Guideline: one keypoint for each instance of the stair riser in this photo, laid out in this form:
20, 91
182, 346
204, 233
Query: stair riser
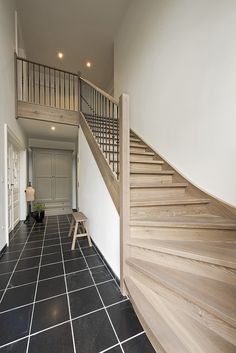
182, 234
219, 273
155, 193
143, 168
166, 211
144, 178
136, 157
135, 149
205, 318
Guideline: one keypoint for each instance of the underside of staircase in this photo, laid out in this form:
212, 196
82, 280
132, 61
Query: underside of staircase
180, 264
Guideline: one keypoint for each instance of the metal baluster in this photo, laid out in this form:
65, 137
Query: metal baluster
22, 80
28, 81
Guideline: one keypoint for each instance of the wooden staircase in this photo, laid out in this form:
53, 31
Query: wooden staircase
178, 248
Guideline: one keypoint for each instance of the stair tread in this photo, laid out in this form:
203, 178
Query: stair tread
138, 161
145, 185
174, 330
188, 222
214, 296
169, 201
161, 172
143, 153
215, 253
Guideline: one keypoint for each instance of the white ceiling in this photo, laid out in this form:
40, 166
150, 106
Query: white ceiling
42, 130
83, 30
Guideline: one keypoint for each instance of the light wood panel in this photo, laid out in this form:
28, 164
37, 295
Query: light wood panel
43, 113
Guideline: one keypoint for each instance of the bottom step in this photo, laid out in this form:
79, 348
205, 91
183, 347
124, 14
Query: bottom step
169, 329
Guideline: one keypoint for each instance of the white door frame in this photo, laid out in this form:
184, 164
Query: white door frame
9, 136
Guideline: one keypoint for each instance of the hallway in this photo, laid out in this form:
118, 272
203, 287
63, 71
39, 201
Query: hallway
55, 300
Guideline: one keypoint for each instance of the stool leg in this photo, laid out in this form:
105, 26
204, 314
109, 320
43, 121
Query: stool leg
88, 236
74, 236
71, 228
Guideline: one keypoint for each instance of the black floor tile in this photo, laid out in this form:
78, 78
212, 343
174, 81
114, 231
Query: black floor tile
78, 280
4, 280
55, 340
6, 267
51, 287
66, 240
23, 277
67, 247
83, 242
15, 247
100, 274
34, 239
89, 251
138, 344
72, 254
51, 258
28, 263
93, 333
75, 265
51, 242
34, 244
50, 312
31, 253
14, 324
9, 256
49, 271
18, 296
17, 347
110, 293
124, 320
51, 249
84, 301
94, 260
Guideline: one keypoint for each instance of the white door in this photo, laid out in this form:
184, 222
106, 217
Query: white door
13, 163
52, 180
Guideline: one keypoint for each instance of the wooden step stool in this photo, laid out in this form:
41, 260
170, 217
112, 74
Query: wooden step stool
78, 221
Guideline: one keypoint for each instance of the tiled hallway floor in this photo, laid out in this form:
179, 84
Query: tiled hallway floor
61, 301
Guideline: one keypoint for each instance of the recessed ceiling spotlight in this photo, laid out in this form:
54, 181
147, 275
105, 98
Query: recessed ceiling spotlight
53, 128
88, 64
60, 55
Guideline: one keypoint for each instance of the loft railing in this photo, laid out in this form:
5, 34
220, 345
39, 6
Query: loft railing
45, 85
101, 113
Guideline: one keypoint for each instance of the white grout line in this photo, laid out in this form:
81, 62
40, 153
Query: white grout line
128, 339
68, 300
35, 292
104, 307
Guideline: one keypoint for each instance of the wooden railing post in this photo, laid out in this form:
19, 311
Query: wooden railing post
124, 143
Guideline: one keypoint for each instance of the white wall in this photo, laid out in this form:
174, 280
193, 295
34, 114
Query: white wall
95, 201
7, 97
177, 59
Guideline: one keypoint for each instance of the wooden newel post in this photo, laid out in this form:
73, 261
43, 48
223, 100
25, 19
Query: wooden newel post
124, 137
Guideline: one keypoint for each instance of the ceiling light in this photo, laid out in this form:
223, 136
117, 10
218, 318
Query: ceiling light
60, 55
88, 64
53, 128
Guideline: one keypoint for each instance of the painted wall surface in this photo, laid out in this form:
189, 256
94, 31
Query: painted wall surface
7, 98
96, 203
176, 60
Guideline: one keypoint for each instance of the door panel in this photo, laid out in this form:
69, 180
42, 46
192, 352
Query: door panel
52, 171
13, 164
62, 189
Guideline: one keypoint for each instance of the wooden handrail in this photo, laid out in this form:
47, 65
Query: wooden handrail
46, 66
105, 94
